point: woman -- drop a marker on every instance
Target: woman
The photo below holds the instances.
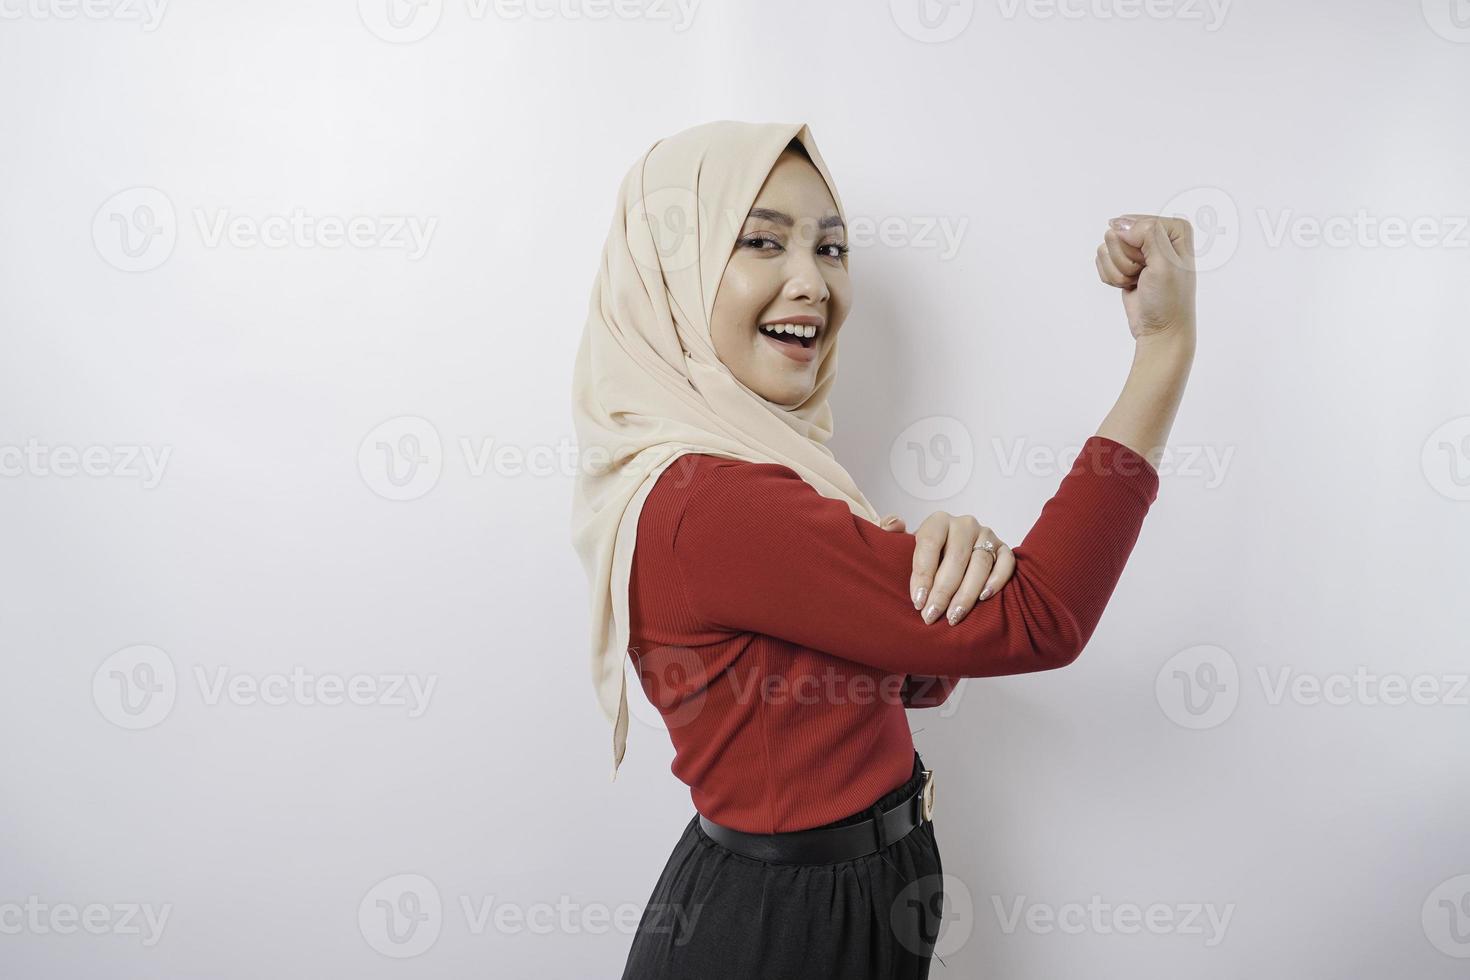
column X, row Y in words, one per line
column 778, row 626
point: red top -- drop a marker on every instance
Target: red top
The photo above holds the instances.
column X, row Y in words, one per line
column 774, row 632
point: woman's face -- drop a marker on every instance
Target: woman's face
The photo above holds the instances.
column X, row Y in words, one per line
column 789, row 264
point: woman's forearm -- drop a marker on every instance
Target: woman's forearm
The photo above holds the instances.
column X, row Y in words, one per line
column 1144, row 412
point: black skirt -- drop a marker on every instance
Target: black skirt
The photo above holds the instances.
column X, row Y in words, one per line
column 716, row 914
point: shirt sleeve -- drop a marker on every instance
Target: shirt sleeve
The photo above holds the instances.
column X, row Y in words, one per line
column 760, row 550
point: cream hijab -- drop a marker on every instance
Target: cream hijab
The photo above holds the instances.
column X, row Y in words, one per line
column 648, row 387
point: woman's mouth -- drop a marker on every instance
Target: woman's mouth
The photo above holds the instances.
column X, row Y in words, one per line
column 792, row 339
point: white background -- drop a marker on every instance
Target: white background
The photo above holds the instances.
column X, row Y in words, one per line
column 1312, row 526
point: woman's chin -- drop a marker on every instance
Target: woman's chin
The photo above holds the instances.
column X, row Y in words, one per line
column 788, row 394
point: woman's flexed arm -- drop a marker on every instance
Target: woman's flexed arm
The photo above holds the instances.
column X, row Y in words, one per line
column 759, row 550
column 1152, row 260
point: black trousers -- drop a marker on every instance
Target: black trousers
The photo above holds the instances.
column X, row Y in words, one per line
column 715, row 914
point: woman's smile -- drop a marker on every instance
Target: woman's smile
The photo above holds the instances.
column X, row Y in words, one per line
column 795, row 337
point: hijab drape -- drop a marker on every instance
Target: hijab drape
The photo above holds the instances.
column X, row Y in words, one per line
column 648, row 387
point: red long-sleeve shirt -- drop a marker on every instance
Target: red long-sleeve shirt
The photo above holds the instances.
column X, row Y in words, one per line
column 773, row 628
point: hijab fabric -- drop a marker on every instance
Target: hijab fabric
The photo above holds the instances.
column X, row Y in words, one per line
column 648, row 386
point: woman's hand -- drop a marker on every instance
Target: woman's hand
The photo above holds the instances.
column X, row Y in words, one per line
column 949, row 569
column 1151, row 259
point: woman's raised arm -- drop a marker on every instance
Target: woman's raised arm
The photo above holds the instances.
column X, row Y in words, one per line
column 1152, row 260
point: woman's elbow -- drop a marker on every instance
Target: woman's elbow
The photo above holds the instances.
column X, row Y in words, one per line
column 1036, row 643
column 1063, row 653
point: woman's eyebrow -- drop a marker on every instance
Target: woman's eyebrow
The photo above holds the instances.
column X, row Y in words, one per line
column 782, row 218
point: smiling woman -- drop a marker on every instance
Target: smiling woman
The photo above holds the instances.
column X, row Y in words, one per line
column 785, row 291
column 767, row 612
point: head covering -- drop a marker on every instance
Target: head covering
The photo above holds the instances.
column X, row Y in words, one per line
column 648, row 387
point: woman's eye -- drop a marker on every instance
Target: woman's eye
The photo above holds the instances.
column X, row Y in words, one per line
column 833, row 250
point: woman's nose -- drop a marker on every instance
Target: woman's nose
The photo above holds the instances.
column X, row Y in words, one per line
column 805, row 281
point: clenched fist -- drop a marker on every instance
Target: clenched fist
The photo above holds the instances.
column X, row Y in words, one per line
column 1151, row 259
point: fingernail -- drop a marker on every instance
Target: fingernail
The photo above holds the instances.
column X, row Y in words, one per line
column 1121, row 224
column 931, row 614
column 887, row 521
column 985, row 594
column 954, row 615
column 919, row 596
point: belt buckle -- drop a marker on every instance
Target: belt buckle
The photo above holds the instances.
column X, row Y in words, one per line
column 926, row 795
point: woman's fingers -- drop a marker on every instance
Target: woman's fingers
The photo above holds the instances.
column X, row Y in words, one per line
column 1128, row 259
column 1152, row 234
column 1163, row 294
column 950, row 574
column 984, row 577
column 928, row 546
column 964, row 531
column 1000, row 574
column 1109, row 272
column 968, row 593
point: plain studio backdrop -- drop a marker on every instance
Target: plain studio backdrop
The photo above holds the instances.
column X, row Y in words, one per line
column 295, row 644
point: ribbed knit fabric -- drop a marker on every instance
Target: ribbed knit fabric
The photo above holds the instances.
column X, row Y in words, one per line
column 773, row 630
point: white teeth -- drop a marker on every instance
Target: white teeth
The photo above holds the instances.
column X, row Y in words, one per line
column 795, row 329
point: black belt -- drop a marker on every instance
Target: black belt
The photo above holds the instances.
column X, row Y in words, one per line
column 829, row 845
